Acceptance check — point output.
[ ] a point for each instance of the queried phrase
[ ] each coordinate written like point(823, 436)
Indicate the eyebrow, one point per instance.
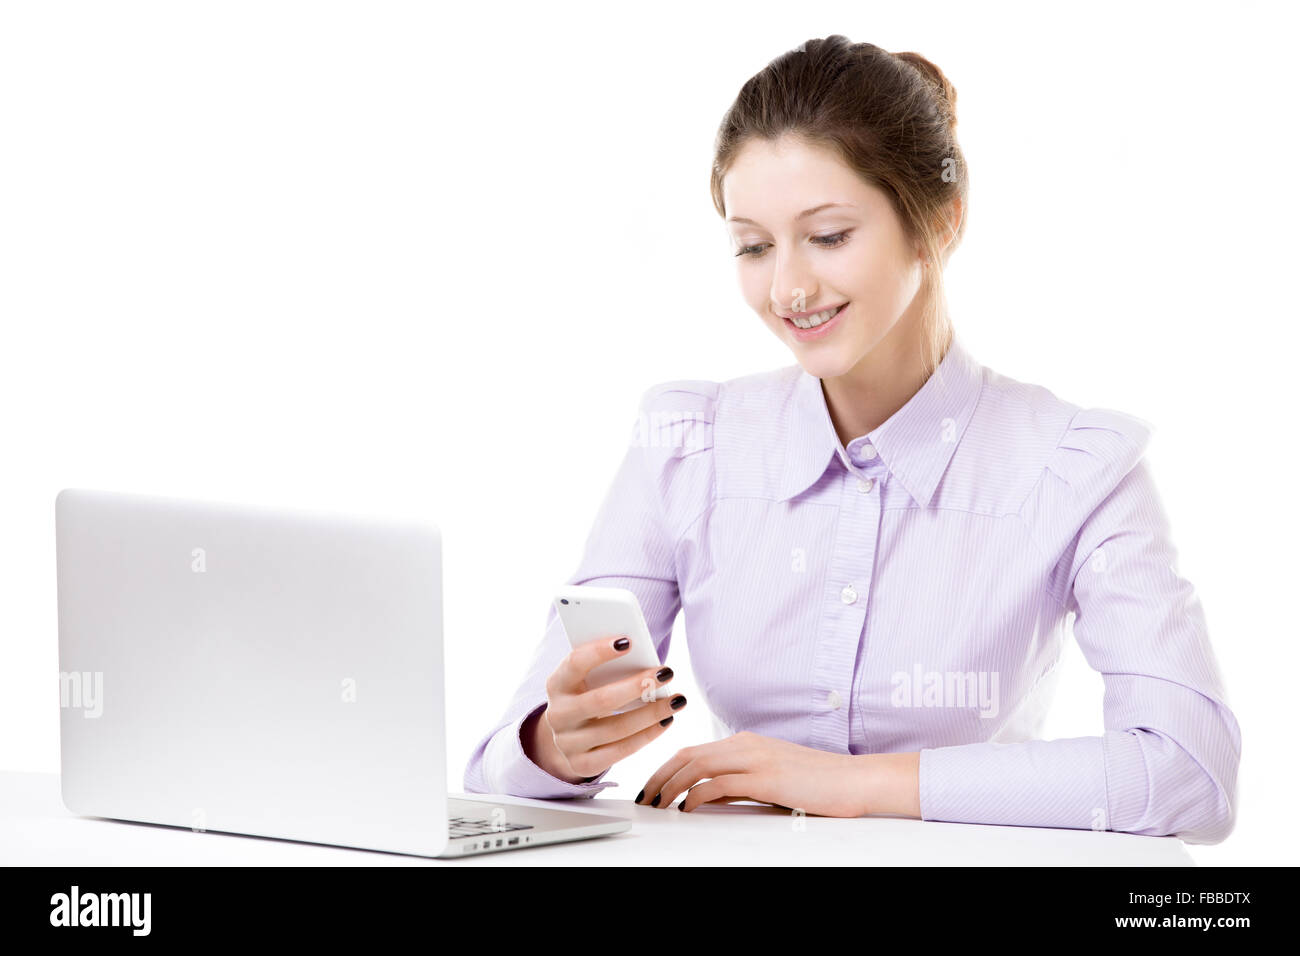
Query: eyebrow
point(803, 215)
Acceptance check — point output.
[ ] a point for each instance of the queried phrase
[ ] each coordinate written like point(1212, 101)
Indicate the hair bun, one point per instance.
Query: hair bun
point(947, 92)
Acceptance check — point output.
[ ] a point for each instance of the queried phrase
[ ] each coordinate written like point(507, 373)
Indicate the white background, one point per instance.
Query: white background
point(368, 257)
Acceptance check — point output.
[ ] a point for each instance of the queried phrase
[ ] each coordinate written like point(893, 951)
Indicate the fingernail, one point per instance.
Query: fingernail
point(639, 797)
point(682, 806)
point(655, 801)
point(679, 702)
point(622, 644)
point(664, 674)
point(666, 721)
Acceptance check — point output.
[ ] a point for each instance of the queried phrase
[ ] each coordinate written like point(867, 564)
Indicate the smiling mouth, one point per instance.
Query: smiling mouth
point(815, 320)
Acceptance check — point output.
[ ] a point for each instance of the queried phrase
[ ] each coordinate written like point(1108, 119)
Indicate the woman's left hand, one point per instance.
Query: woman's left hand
point(748, 766)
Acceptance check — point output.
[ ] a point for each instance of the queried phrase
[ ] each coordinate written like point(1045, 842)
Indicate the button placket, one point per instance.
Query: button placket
point(866, 467)
point(848, 582)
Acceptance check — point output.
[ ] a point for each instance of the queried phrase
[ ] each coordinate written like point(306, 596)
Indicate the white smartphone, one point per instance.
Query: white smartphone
point(591, 614)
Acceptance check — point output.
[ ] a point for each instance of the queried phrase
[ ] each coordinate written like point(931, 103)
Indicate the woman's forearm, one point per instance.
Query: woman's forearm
point(892, 783)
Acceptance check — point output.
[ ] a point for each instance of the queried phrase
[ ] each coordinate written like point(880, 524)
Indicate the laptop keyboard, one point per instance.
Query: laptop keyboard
point(463, 827)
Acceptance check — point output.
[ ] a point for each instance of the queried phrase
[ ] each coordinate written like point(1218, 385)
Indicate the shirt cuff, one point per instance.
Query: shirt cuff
point(507, 769)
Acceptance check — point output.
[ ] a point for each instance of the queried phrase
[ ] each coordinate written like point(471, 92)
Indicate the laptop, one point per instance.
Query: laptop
point(254, 671)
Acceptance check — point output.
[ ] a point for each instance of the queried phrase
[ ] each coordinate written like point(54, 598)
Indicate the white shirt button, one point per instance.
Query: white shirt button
point(866, 484)
point(866, 453)
point(834, 700)
point(848, 595)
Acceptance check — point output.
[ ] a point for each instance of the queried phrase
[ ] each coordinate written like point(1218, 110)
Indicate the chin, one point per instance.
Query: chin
point(824, 365)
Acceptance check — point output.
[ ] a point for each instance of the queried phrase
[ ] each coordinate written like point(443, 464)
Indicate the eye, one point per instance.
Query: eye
point(826, 242)
point(830, 242)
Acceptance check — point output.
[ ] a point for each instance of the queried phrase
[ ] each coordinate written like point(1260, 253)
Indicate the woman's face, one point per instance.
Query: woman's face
point(792, 261)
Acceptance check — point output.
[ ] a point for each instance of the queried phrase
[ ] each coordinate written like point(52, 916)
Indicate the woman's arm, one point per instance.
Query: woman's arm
point(539, 747)
point(891, 784)
point(1167, 761)
point(663, 480)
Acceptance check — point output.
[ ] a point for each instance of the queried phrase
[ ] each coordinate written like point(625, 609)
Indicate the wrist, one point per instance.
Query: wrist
point(539, 746)
point(892, 784)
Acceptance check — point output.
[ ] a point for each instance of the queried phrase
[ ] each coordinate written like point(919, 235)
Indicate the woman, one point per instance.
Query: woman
point(877, 549)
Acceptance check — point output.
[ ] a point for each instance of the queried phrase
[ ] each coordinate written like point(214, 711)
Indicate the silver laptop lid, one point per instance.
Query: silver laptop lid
point(254, 671)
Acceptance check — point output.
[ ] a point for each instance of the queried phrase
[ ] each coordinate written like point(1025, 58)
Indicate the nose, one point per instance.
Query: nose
point(792, 284)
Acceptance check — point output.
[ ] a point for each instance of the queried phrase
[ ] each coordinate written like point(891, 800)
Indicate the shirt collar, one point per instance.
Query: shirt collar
point(914, 444)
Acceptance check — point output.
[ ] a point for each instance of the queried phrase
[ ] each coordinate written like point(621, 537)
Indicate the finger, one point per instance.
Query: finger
point(702, 768)
point(725, 788)
point(591, 762)
point(568, 677)
point(604, 701)
point(734, 754)
point(604, 730)
point(675, 765)
point(720, 802)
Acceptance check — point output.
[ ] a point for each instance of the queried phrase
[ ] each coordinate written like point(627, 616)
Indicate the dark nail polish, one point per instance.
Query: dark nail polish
point(655, 801)
point(639, 797)
point(682, 806)
point(666, 721)
point(622, 644)
point(665, 674)
point(679, 702)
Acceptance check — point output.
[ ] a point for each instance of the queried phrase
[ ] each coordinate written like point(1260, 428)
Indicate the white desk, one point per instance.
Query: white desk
point(36, 830)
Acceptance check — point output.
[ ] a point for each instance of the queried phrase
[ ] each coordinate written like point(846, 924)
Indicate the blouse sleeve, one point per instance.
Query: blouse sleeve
point(665, 475)
point(1167, 761)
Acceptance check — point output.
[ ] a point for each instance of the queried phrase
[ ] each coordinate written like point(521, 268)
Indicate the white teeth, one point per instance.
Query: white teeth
point(812, 321)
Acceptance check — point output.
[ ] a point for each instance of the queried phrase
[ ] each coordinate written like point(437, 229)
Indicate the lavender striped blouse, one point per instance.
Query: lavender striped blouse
point(910, 592)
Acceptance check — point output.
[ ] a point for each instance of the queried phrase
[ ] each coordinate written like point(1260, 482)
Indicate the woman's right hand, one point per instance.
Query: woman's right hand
point(577, 735)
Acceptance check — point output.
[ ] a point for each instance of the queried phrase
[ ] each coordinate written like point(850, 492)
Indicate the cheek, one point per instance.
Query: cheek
point(755, 286)
point(879, 279)
point(860, 270)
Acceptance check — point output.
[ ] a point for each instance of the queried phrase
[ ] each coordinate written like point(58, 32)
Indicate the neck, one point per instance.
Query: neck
point(862, 399)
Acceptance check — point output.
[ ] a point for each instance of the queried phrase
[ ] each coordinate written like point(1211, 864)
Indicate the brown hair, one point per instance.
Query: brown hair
point(891, 117)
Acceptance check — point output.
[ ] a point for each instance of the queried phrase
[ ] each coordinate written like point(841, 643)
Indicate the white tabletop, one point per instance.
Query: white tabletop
point(36, 830)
